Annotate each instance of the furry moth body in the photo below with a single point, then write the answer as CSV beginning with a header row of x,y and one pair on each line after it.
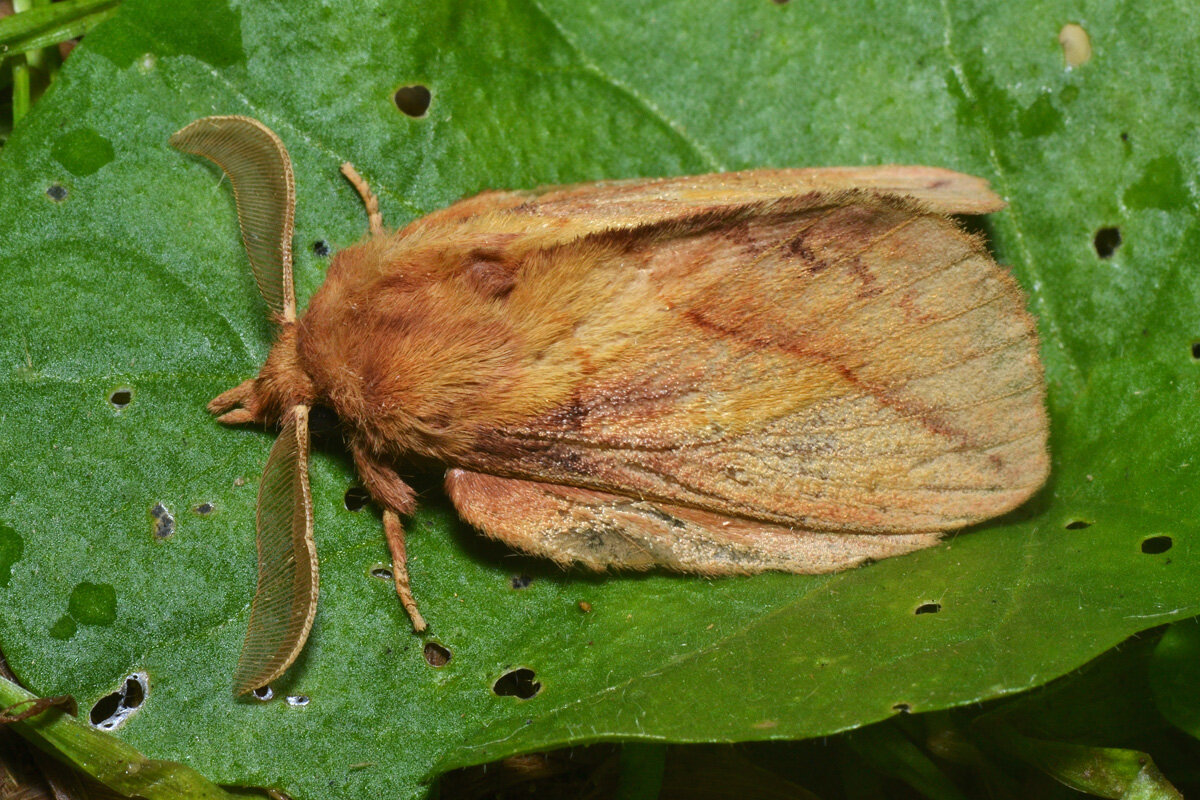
x,y
792,370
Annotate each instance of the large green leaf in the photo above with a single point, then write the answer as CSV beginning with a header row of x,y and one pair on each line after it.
x,y
136,280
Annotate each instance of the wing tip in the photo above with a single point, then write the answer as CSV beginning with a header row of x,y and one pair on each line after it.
x,y
948,191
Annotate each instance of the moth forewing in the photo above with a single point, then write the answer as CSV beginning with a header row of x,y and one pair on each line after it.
x,y
281,614
260,170
837,363
559,215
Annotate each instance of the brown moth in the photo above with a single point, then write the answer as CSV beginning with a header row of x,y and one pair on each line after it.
x,y
796,369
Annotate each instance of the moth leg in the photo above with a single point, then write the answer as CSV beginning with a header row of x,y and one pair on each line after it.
x,y
601,531
396,497
393,530
368,197
227,403
384,484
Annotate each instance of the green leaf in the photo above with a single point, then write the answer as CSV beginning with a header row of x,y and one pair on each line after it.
x,y
642,766
128,304
50,24
107,759
1175,675
1107,702
889,751
1087,729
1098,771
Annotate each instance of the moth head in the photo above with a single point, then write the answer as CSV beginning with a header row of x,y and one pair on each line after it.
x,y
260,171
281,384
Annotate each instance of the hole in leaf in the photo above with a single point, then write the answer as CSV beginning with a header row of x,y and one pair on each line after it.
x,y
263,693
111,711
928,608
436,655
356,497
1078,524
164,522
121,397
518,683
204,509
56,192
383,573
1196,350
521,581
135,691
297,699
1107,241
321,247
413,100
105,708
1153,545
902,708
1124,137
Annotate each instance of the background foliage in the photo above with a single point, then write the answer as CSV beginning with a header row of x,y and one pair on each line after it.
x,y
123,272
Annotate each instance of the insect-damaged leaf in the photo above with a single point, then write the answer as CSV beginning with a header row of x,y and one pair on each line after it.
x,y
159,301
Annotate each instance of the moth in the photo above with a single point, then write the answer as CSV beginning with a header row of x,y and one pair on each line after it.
x,y
778,369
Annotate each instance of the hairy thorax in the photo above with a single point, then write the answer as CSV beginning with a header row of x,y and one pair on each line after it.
x,y
414,358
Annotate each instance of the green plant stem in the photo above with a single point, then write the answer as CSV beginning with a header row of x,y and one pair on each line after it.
x,y
38,25
106,758
20,84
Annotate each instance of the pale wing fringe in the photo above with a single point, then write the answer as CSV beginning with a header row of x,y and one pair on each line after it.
x,y
602,531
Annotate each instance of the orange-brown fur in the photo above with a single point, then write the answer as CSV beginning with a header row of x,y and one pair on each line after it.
x,y
643,356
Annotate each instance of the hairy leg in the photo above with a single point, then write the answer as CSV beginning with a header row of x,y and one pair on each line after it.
x,y
396,497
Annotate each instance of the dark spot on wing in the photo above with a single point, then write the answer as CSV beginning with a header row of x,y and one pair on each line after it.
x,y
658,513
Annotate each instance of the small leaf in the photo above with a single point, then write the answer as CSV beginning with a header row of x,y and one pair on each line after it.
x,y
642,766
1098,771
1175,675
889,751
35,28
